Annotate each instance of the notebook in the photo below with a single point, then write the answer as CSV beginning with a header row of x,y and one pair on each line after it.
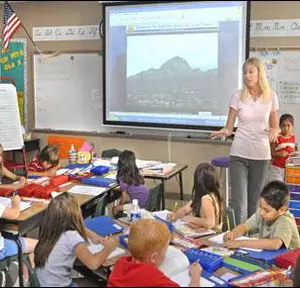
x,y
96,248
103,225
176,266
7,202
87,190
180,227
219,240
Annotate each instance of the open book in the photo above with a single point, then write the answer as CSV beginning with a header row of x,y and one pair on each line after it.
x,y
219,240
181,228
176,266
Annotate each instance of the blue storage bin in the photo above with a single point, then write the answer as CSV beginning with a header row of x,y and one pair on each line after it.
x,y
295,212
209,261
294,204
100,170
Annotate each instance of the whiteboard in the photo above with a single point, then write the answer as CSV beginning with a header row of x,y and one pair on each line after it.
x,y
68,91
10,123
283,71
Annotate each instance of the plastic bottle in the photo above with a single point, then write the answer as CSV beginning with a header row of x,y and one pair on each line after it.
x,y
72,155
135,212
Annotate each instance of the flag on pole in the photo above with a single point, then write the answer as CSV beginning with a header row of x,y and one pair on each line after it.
x,y
11,24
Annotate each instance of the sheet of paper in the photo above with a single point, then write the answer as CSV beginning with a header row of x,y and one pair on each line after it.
x,y
61,171
175,262
183,279
219,240
161,214
96,248
87,190
7,202
55,194
111,176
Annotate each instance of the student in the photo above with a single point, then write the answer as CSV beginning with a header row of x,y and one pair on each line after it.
x,y
5,172
283,148
207,203
63,239
9,247
46,163
132,184
275,225
147,242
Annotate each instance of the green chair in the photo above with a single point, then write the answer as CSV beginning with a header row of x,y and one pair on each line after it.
x,y
229,222
155,197
33,279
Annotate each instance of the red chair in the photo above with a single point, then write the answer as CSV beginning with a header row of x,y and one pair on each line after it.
x,y
13,165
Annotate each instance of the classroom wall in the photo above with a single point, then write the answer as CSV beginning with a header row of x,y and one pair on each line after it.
x,y
63,13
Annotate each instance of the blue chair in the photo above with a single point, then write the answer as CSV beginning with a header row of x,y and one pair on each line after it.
x,y
223,164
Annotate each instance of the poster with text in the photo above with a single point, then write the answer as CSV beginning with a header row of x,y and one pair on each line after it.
x,y
13,69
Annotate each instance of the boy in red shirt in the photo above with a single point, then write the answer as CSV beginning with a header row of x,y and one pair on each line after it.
x,y
46,163
283,148
147,242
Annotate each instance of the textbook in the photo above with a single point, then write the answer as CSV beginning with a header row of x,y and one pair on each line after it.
x,y
176,266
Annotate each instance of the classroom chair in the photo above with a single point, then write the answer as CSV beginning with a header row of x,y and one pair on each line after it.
x,y
33,279
154,200
223,164
155,197
229,220
13,165
101,205
111,153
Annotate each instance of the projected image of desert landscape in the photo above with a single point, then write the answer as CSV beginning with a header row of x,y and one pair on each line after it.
x,y
172,73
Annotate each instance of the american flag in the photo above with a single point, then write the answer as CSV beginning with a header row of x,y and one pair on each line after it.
x,y
11,24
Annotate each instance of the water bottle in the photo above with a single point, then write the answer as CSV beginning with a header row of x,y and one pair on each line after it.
x,y
135,212
72,155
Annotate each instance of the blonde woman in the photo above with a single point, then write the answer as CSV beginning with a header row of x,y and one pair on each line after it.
x,y
256,108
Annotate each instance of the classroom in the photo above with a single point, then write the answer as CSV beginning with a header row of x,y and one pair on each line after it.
x,y
149,143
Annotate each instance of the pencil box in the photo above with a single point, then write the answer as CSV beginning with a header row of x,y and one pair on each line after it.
x,y
44,192
100,170
29,190
209,261
58,180
264,259
288,259
6,192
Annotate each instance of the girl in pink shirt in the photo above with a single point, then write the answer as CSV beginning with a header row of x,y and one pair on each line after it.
x,y
256,108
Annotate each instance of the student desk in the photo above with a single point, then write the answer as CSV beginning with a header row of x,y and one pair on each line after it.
x,y
32,218
176,171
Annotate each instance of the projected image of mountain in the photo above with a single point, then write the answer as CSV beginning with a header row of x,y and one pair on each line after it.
x,y
173,88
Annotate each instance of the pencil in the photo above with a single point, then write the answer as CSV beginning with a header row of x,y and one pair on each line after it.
x,y
175,207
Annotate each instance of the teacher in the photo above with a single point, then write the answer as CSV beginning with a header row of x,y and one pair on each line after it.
x,y
256,108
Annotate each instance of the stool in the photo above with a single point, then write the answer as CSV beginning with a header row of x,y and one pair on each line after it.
x,y
223,163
